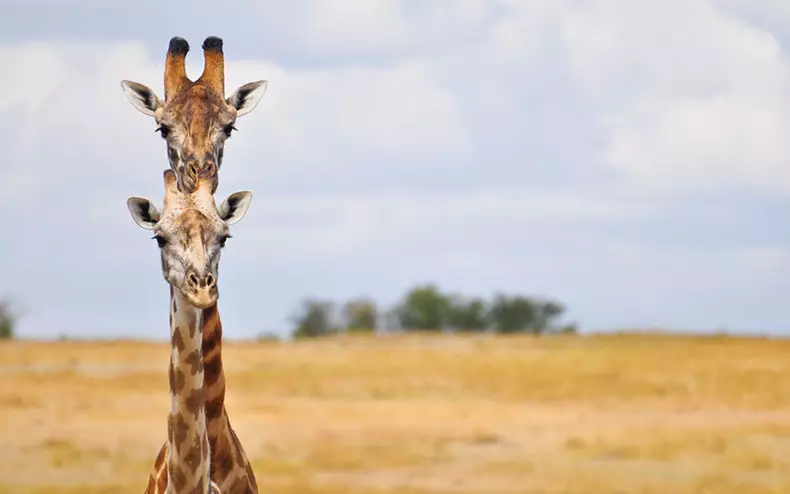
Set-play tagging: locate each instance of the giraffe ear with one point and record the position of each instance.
(235, 207)
(143, 212)
(246, 97)
(141, 97)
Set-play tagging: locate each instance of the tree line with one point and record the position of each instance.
(427, 308)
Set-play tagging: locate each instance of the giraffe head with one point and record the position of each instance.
(195, 118)
(191, 231)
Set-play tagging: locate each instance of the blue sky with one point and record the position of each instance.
(631, 159)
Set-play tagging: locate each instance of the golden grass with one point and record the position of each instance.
(632, 414)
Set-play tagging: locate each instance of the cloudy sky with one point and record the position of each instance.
(630, 158)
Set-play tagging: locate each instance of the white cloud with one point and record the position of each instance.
(690, 95)
(385, 29)
(68, 94)
(339, 118)
(360, 26)
(327, 228)
(480, 144)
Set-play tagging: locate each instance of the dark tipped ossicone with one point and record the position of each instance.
(213, 43)
(178, 46)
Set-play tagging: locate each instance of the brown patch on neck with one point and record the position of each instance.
(177, 339)
(178, 429)
(213, 372)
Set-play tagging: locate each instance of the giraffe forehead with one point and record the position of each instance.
(191, 219)
(198, 106)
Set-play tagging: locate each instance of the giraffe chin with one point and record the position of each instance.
(201, 300)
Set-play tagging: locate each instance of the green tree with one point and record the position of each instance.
(547, 313)
(468, 315)
(512, 314)
(424, 308)
(8, 320)
(314, 319)
(360, 315)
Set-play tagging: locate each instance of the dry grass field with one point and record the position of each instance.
(631, 414)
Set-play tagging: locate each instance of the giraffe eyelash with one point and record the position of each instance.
(164, 130)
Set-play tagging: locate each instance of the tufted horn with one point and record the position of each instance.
(214, 65)
(175, 67)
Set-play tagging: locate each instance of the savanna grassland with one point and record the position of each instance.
(632, 414)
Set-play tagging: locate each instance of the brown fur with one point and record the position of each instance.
(230, 468)
(183, 464)
(196, 111)
(187, 458)
(196, 117)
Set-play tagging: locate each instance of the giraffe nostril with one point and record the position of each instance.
(193, 280)
(211, 168)
(193, 169)
(210, 281)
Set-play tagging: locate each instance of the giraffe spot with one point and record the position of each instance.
(178, 477)
(194, 402)
(209, 314)
(212, 370)
(162, 483)
(177, 340)
(180, 381)
(195, 362)
(214, 407)
(177, 430)
(160, 458)
(193, 457)
(209, 344)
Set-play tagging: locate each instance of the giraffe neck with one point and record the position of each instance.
(229, 463)
(214, 376)
(188, 458)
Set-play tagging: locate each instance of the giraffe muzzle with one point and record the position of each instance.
(201, 291)
(195, 169)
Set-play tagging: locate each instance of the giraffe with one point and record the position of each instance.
(195, 118)
(190, 232)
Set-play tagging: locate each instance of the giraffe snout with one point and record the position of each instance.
(196, 170)
(197, 282)
(201, 290)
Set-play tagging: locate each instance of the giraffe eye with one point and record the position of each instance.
(223, 239)
(228, 129)
(164, 130)
(160, 240)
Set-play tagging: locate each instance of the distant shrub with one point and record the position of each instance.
(8, 319)
(360, 315)
(315, 318)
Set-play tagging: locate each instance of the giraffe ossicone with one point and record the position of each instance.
(195, 118)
